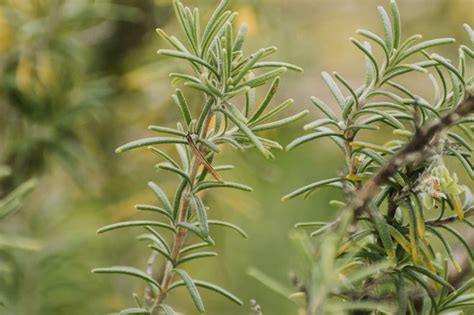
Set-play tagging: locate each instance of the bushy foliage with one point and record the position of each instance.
(44, 80)
(401, 239)
(404, 209)
(226, 113)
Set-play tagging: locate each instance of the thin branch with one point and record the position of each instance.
(149, 271)
(450, 219)
(410, 153)
(181, 232)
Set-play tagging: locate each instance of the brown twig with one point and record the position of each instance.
(197, 152)
(409, 154)
(149, 271)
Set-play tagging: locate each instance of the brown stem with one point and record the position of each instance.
(149, 271)
(181, 232)
(409, 154)
(351, 168)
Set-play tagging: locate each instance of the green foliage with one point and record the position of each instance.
(8, 205)
(43, 81)
(64, 63)
(12, 202)
(392, 249)
(224, 113)
(49, 88)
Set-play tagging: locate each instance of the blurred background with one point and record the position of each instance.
(80, 77)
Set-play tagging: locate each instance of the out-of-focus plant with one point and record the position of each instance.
(399, 193)
(225, 78)
(9, 205)
(45, 85)
(49, 84)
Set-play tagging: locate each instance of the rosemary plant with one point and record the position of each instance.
(225, 77)
(399, 194)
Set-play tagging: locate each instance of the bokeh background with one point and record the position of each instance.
(80, 77)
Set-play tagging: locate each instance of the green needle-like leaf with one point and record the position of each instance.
(127, 224)
(315, 135)
(161, 196)
(193, 291)
(210, 185)
(311, 187)
(263, 78)
(212, 287)
(194, 256)
(332, 85)
(147, 142)
(136, 311)
(229, 225)
(246, 130)
(130, 271)
(201, 215)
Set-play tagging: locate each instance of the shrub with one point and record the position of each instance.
(390, 249)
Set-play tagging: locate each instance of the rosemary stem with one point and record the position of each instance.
(181, 232)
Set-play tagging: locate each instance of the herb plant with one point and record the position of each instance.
(226, 113)
(391, 249)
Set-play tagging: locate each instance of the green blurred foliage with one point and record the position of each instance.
(78, 78)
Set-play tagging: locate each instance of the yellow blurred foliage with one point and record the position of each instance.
(141, 79)
(45, 68)
(247, 15)
(5, 34)
(24, 5)
(459, 10)
(23, 73)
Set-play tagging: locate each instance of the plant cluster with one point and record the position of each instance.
(391, 248)
(226, 113)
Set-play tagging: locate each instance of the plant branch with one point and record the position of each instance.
(410, 153)
(450, 219)
(181, 232)
(149, 271)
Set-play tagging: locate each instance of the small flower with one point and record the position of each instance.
(438, 184)
(447, 183)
